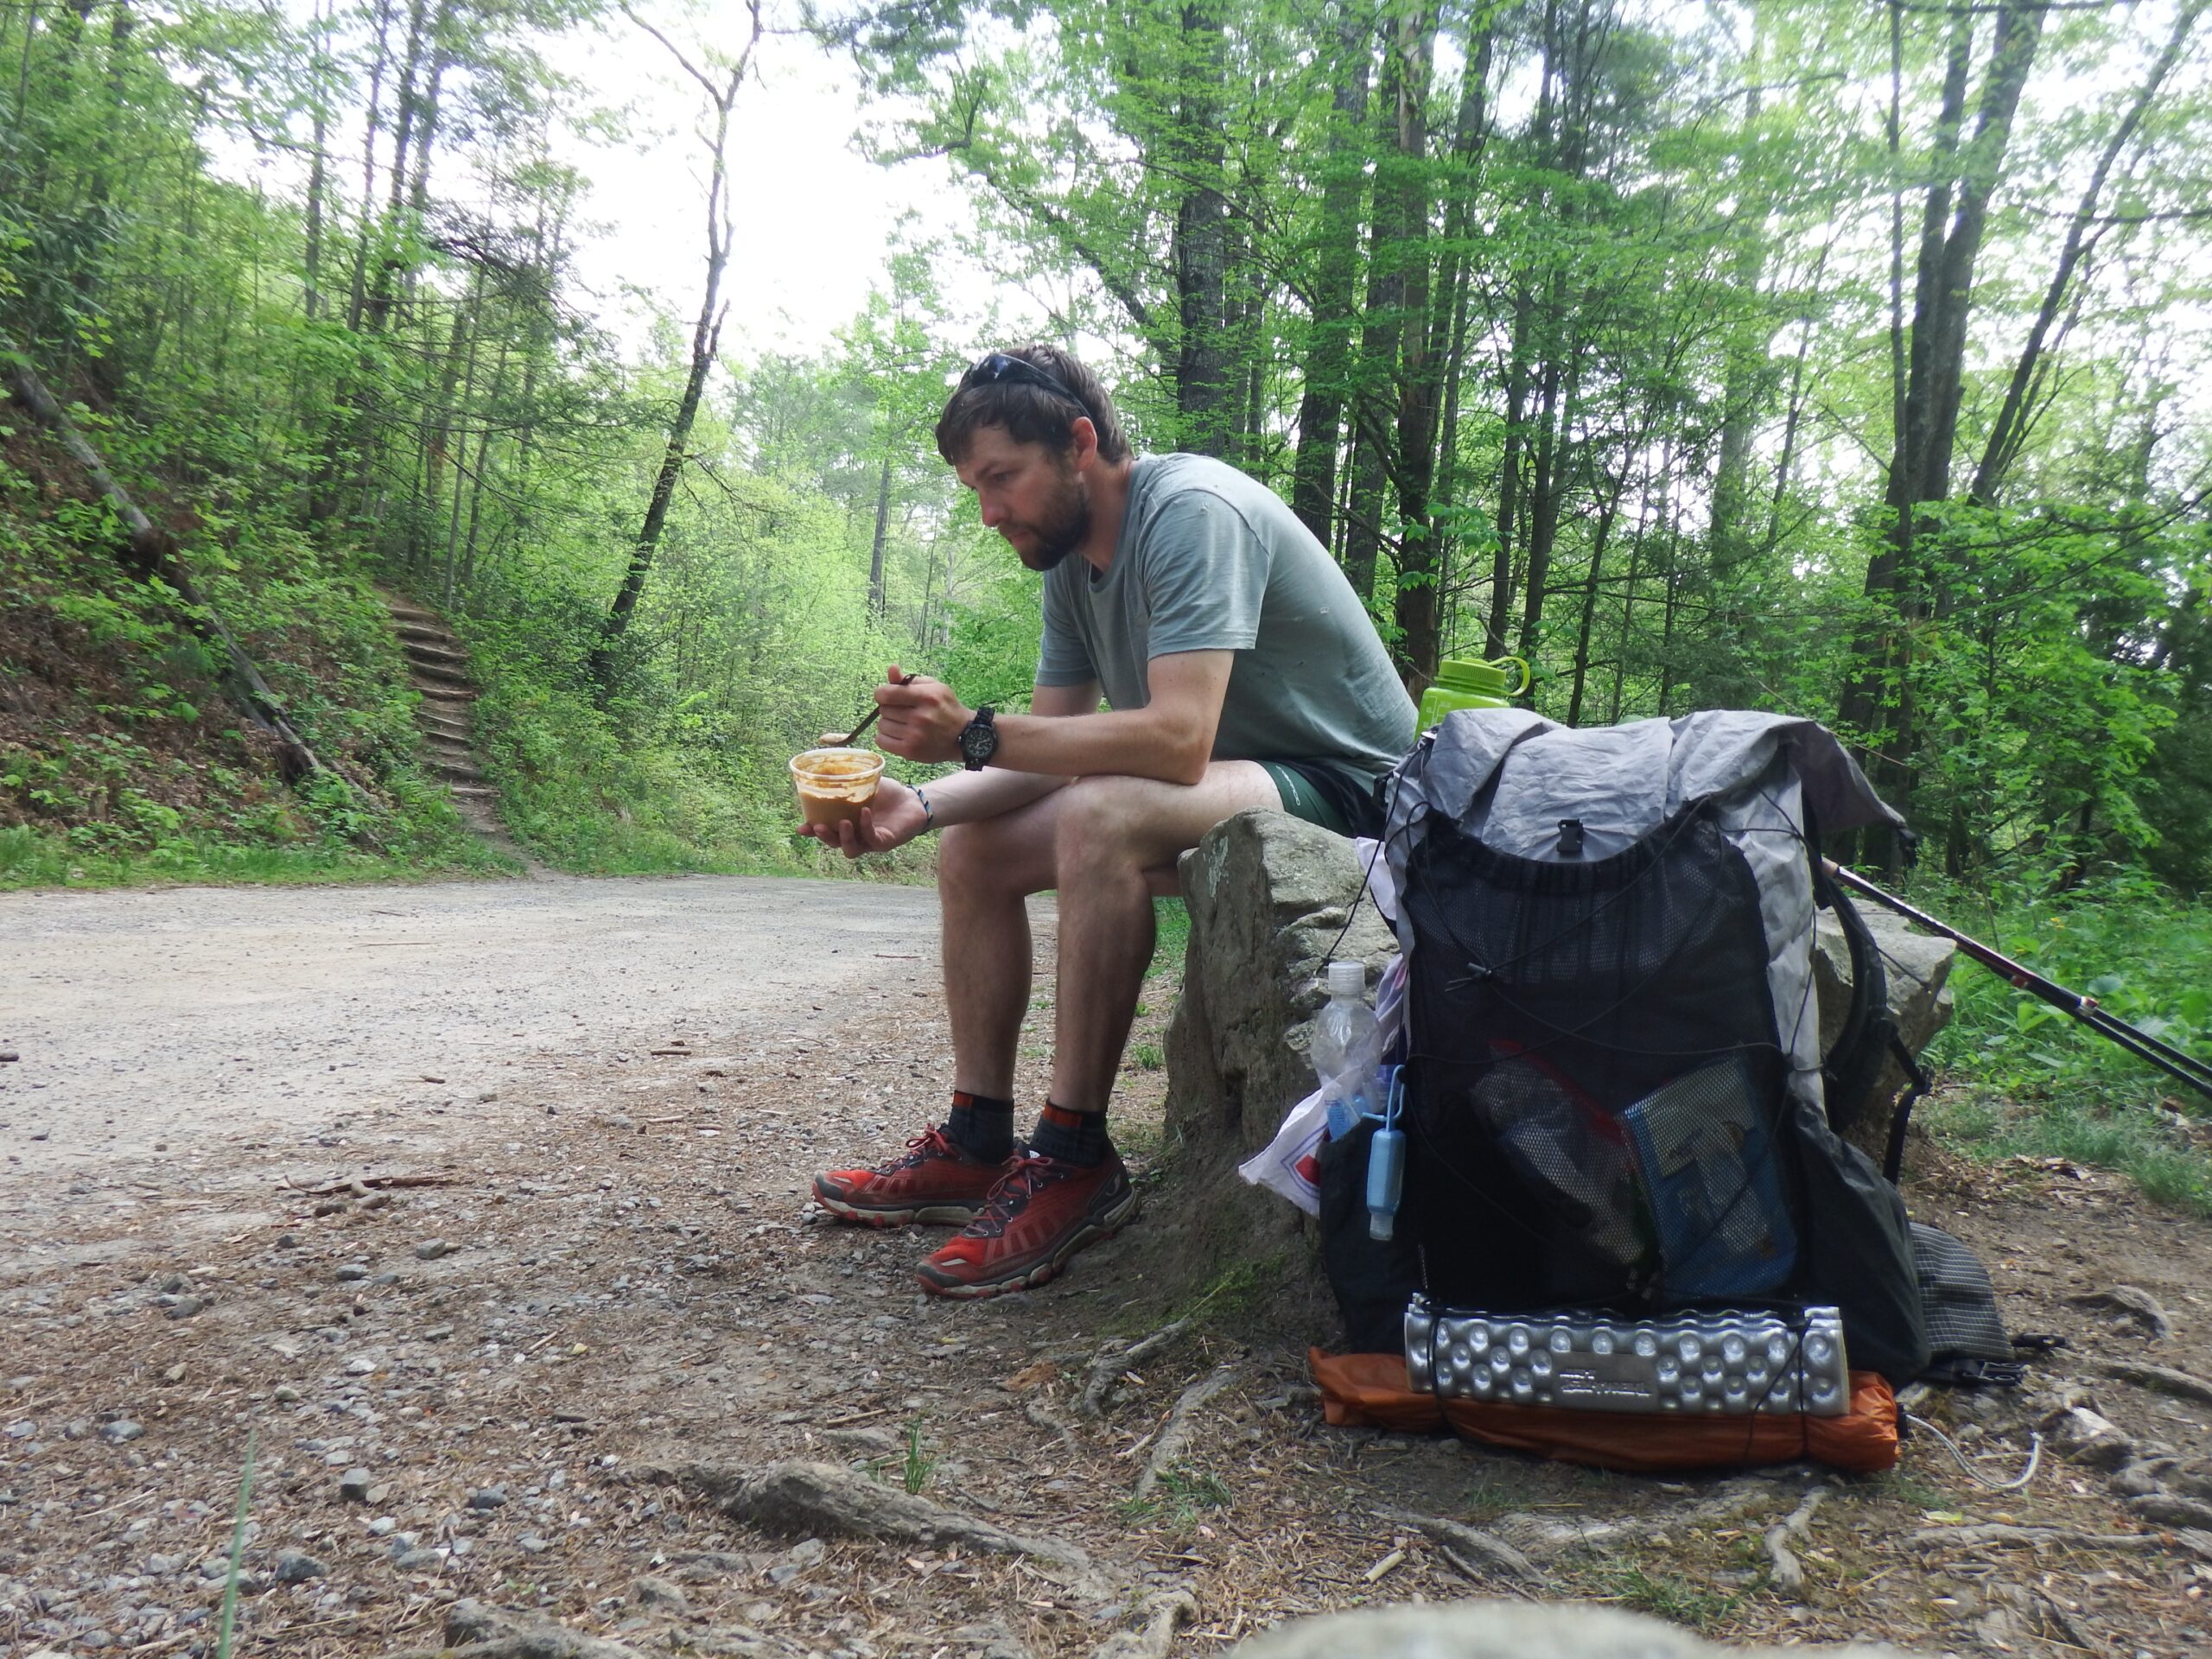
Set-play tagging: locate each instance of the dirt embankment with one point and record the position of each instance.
(546, 1238)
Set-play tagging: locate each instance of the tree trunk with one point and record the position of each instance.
(1508, 478)
(1878, 702)
(1748, 374)
(1328, 361)
(1205, 402)
(875, 590)
(1381, 324)
(357, 300)
(2006, 432)
(706, 337)
(1420, 368)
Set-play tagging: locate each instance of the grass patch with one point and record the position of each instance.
(1182, 1499)
(1665, 1595)
(2170, 1166)
(919, 1464)
(1237, 1296)
(1172, 925)
(1487, 1496)
(1914, 1490)
(30, 858)
(2021, 1078)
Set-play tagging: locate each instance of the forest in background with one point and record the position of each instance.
(1843, 360)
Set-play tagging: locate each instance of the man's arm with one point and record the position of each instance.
(1171, 738)
(897, 814)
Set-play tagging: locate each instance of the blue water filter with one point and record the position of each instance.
(1386, 1177)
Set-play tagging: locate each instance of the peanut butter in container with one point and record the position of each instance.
(834, 784)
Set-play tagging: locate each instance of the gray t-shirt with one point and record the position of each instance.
(1210, 560)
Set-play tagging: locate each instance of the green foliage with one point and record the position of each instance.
(1572, 320)
(2023, 1078)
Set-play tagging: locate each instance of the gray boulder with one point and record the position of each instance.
(1502, 1630)
(1268, 894)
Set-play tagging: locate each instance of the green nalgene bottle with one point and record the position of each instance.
(1471, 685)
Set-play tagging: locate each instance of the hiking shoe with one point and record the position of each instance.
(936, 1179)
(1042, 1212)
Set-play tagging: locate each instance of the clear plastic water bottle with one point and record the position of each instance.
(1347, 1048)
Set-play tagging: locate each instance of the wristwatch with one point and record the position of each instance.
(979, 741)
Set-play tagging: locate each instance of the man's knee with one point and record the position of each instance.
(1104, 822)
(990, 857)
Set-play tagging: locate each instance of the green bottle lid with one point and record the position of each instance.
(1475, 676)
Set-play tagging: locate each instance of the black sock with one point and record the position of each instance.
(980, 1126)
(1071, 1137)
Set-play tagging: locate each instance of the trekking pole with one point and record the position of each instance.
(2174, 1063)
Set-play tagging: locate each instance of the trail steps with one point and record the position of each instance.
(437, 667)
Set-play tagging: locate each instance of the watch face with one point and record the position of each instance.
(979, 741)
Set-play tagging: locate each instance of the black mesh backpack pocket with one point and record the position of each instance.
(1593, 1076)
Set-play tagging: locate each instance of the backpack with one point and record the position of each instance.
(1614, 1093)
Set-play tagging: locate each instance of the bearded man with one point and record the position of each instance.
(1240, 670)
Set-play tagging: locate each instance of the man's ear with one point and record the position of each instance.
(1082, 443)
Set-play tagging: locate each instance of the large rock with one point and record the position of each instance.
(1917, 973)
(1502, 1630)
(1269, 894)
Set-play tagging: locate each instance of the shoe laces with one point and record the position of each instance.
(1031, 1171)
(932, 1142)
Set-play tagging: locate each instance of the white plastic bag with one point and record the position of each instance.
(1290, 1164)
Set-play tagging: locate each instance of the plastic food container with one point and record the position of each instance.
(835, 784)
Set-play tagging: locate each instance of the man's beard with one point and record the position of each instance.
(1062, 529)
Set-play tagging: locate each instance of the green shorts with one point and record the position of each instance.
(1335, 797)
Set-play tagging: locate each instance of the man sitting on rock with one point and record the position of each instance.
(1240, 670)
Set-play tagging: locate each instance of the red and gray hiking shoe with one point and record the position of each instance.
(1039, 1214)
(934, 1179)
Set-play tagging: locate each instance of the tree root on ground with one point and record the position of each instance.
(1788, 1573)
(2159, 1379)
(1177, 1433)
(1475, 1552)
(1116, 1357)
(1542, 1537)
(806, 1498)
(2190, 1540)
(1165, 1613)
(1037, 1411)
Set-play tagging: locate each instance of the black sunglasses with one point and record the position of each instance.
(1001, 365)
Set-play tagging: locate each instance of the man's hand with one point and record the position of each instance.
(891, 819)
(922, 720)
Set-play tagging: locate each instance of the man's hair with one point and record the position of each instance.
(1038, 408)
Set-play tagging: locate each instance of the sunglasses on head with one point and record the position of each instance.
(1001, 365)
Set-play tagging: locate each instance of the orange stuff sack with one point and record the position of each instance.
(1371, 1390)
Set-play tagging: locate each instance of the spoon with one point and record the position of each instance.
(907, 679)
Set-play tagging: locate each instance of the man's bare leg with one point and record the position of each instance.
(1110, 834)
(985, 871)
(1097, 841)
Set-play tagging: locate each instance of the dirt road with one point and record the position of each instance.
(176, 1019)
